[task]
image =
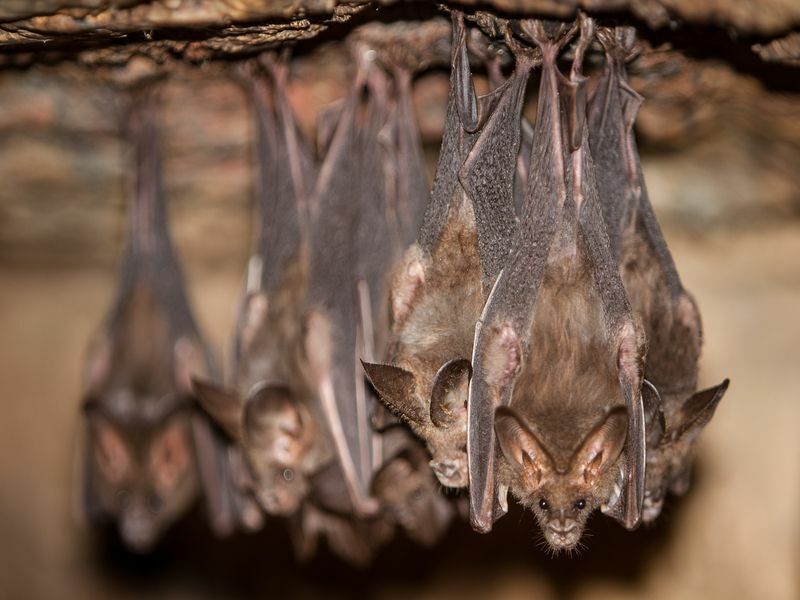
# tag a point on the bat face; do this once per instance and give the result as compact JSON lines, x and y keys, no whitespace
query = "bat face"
{"x":669,"y":458}
{"x":561,"y":496}
{"x":276,"y":435}
{"x":144,"y":477}
{"x":410,"y":495}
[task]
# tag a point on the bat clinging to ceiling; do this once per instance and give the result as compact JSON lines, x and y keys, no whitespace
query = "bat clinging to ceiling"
{"x":463,"y":241}
{"x":270,"y":411}
{"x":668,"y":312}
{"x":146,"y":448}
{"x":558,"y":354}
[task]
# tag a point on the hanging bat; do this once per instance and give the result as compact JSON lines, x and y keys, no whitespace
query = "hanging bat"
{"x":146,"y":450}
{"x":408,"y":491}
{"x":351,"y":254}
{"x":461,"y":246}
{"x":270,"y":413}
{"x":558,"y":353}
{"x":668,"y":312}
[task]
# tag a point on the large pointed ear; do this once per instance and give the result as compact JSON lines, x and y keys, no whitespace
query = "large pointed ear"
{"x":698,"y":410}
{"x":654,"y":423}
{"x":397,"y":390}
{"x":450,"y":391}
{"x":601,"y":448}
{"x":522,"y":449}
{"x":190,"y":361}
{"x":111,"y":453}
{"x":170,"y":455}
{"x":224,"y":406}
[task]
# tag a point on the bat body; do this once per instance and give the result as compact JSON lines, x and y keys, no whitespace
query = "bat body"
{"x":462,"y":243}
{"x":668,"y":312}
{"x":270,"y":411}
{"x":558,"y":353}
{"x":146,"y":450}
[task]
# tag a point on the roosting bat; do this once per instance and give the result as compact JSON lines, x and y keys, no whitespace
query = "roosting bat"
{"x":461,"y":246}
{"x":270,"y":412}
{"x":558,"y":354}
{"x":668,"y":312}
{"x":408,"y":491}
{"x":146,"y":449}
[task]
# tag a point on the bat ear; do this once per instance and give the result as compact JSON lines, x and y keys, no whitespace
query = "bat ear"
{"x":111,"y":453}
{"x":519,"y":444}
{"x":169,"y":457}
{"x":224,"y":406}
{"x":602,"y":447}
{"x":654,"y":423}
{"x":450,"y":391}
{"x":407,"y":285}
{"x":190,"y":362}
{"x":397,"y":390}
{"x":698,"y":410}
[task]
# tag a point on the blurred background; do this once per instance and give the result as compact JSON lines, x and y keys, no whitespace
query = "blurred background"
{"x":720,"y":138}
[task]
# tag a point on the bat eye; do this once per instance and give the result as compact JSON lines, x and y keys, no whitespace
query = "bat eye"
{"x":288,"y":474}
{"x":123,"y":499}
{"x":580,"y":504}
{"x":417,"y":494}
{"x":544,"y":504}
{"x":154,"y":503}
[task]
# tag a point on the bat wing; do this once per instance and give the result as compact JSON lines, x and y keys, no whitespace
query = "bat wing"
{"x":335,"y":335}
{"x":508,"y":313}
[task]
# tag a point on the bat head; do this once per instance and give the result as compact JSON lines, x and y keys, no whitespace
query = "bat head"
{"x":144,"y":477}
{"x":141,"y":465}
{"x":438,"y":418}
{"x":669,"y":454}
{"x":562,"y":496}
{"x":411,"y":496}
{"x":276,"y":434}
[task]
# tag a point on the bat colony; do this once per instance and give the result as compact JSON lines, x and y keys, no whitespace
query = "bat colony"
{"x":523,"y":323}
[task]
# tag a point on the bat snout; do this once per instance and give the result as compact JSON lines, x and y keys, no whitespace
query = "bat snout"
{"x":138,"y":532}
{"x":563,"y":534}
{"x":450,"y":472}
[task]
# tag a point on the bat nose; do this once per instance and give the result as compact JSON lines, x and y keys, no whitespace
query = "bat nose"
{"x":450,"y":473}
{"x":137,"y":531}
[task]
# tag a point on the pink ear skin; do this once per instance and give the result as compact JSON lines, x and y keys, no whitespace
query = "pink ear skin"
{"x":170,"y":457}
{"x":601,"y":448}
{"x":523,"y":451}
{"x":111,"y":453}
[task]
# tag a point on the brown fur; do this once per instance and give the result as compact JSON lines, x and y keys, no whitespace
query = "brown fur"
{"x":567,"y":386}
{"x":439,"y":327}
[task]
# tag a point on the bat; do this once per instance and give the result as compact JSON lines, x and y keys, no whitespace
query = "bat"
{"x":146,"y":450}
{"x":270,"y":413}
{"x":558,"y":352}
{"x":351,"y":254}
{"x":462,"y":243}
{"x":677,"y":412}
{"x":409,"y":492}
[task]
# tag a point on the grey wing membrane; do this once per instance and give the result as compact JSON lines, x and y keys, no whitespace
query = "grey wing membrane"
{"x":334,"y":337}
